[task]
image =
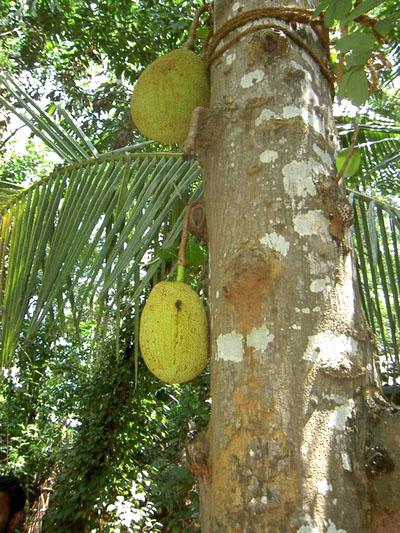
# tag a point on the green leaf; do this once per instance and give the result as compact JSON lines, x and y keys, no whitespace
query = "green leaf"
{"x":385,"y":26}
{"x":354,"y":86}
{"x":362,"y":9}
{"x":195,"y":254}
{"x":352,"y":165}
{"x":202,"y":33}
{"x":357,"y":40}
{"x":358,"y":58}
{"x":329,"y":16}
{"x":342,"y":8}
{"x":167,"y":254}
{"x":321,"y":7}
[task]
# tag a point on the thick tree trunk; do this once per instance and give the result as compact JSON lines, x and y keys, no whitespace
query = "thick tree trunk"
{"x":292,"y":365}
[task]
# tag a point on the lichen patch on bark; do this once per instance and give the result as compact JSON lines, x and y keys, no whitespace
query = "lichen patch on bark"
{"x":312,"y":223}
{"x":251,"y":78}
{"x":321,"y":285}
{"x":230,"y":347}
{"x":325,"y":157}
{"x":297,"y":179}
{"x":334,"y":354}
{"x":259,"y":338}
{"x":268,"y":156}
{"x":276,"y":242}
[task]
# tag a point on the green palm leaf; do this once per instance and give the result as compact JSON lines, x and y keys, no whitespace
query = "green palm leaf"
{"x":376,"y":237}
{"x":379,"y":144}
{"x":93,"y":222}
{"x":70,"y":147}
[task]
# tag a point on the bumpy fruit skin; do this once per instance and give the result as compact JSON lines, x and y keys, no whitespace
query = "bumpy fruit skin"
{"x":173,"y":332}
{"x":166,"y":94}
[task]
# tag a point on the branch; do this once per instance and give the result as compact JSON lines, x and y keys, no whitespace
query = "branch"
{"x":192,"y":32}
{"x":11,"y":135}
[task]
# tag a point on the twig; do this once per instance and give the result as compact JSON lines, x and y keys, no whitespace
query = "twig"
{"x":192,"y":32}
{"x":184,"y":238}
{"x":3,"y":143}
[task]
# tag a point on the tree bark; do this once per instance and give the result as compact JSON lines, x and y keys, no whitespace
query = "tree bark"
{"x":293,"y":378}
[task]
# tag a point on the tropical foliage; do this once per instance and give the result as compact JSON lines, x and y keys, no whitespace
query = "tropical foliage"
{"x":106,"y":219}
{"x":374,"y":191}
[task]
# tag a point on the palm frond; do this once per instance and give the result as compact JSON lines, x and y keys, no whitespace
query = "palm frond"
{"x":376,"y":238}
{"x":379,"y":144}
{"x":7,"y":191}
{"x":91,"y":223}
{"x":69,"y":147}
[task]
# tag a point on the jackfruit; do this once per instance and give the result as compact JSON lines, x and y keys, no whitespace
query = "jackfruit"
{"x":166,"y":94}
{"x":173,"y":332}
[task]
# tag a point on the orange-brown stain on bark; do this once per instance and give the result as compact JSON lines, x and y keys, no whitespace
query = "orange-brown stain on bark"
{"x":250,"y":277}
{"x":249,"y":413}
{"x":385,"y":522}
{"x":255,"y":415}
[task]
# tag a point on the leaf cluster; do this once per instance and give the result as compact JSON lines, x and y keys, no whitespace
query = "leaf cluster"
{"x":361,"y":42}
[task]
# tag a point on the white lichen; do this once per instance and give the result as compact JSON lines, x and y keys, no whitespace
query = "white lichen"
{"x":311,"y":528}
{"x":259,"y":338}
{"x":312,"y":223}
{"x":317,"y":265}
{"x":324,"y":156}
{"x":252,"y":78}
{"x":297,"y":179}
{"x":264,"y":116}
{"x":291,"y":111}
{"x":346,"y":292}
{"x":276,"y":242}
{"x":230,"y":58}
{"x":268,"y":156}
{"x":230,"y":347}
{"x":309,"y":60}
{"x":337,"y":398}
{"x":329,"y":348}
{"x":333,"y":529}
{"x":235,"y":8}
{"x":320,"y":285}
{"x":307,"y":115}
{"x":346,"y":461}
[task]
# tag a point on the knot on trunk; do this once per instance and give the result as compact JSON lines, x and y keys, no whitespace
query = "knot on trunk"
{"x":378,"y":462}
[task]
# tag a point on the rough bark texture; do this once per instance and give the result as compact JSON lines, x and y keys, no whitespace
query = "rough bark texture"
{"x":292,"y":366}
{"x":383,"y":467}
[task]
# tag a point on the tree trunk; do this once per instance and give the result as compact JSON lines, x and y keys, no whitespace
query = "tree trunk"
{"x":293,"y":378}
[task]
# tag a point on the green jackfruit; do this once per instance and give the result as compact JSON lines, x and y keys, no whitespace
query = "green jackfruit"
{"x":166,"y":94}
{"x":173,"y":332}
